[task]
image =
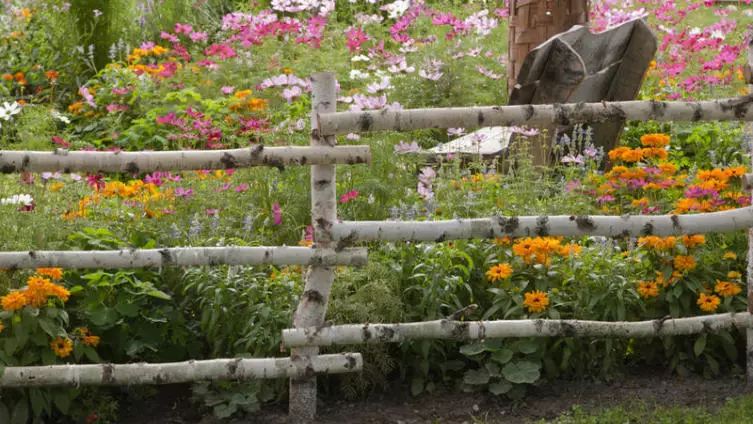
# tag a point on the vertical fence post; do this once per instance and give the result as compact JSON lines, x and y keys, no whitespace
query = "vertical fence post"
{"x":313,"y":303}
{"x":748,"y":72}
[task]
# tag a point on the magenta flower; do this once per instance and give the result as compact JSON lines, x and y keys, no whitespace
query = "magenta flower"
{"x":95,"y":181}
{"x":277,"y":212}
{"x":347,"y":197}
{"x":60,"y":142}
{"x":240,"y":188}
{"x":180,"y":191}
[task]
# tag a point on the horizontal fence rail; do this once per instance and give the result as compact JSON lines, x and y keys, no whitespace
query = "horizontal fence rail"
{"x":137,"y":162}
{"x":177,"y":372}
{"x":561,"y":225}
{"x":478,"y":330}
{"x":182,"y":256}
{"x":736,"y":109}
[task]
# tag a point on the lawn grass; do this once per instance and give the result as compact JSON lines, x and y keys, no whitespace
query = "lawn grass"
{"x":733,"y":410}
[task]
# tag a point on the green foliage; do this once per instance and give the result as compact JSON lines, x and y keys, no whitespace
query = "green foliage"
{"x":227,"y":399}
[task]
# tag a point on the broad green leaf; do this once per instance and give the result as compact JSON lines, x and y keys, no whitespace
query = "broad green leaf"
{"x":417,"y":386}
{"x":527,"y":346}
{"x":476,"y":377}
{"x":500,"y":387}
{"x":37,"y":401}
{"x":4,"y":413}
{"x":521,"y":372}
{"x":52,"y":329}
{"x":700,"y":345}
{"x":20,"y":412}
{"x":62,"y":400}
{"x":91,"y":354}
{"x":502,"y":356}
{"x":472,"y":349}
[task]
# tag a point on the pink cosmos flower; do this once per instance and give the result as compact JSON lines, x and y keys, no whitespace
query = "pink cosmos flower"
{"x":60,"y":142}
{"x":349,"y":196}
{"x":277,"y":213}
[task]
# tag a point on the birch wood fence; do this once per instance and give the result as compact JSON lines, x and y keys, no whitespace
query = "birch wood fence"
{"x":304,"y":363}
{"x":326,"y":123}
{"x":332,"y":239}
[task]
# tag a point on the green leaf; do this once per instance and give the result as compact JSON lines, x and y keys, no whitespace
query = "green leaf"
{"x":62,"y":401}
{"x":502,"y":356}
{"x":127,"y":309}
{"x":37,"y":401}
{"x":48,"y":357}
{"x":103,"y":316}
{"x":521,"y":372}
{"x":52,"y":329}
{"x":4,"y":413}
{"x":20,"y":412}
{"x":476,"y":377}
{"x":225,"y":410}
{"x":500,"y":387}
{"x":472,"y":349}
{"x":527,"y":346}
{"x":159,"y":294}
{"x":417,"y":386}
{"x":91,"y":354}
{"x":700,"y":345}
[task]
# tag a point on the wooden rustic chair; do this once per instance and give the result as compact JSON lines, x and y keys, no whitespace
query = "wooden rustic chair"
{"x":572,"y":67}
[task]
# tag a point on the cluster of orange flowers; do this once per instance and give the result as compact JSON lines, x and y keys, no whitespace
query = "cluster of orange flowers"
{"x":706,"y":194}
{"x":38,"y":291}
{"x":83,"y":334}
{"x":499,"y":272}
{"x":690,"y":241}
{"x":137,"y":53}
{"x":18,"y":77}
{"x":653,"y":148}
{"x":541,"y":249}
{"x":134,"y":191}
{"x":245,"y":102}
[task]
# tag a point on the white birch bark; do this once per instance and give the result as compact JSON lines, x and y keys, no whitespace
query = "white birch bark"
{"x":181,"y":256}
{"x":138,"y":162}
{"x":737,"y":109}
{"x":524,"y":226}
{"x":479,"y":330}
{"x":749,"y":183}
{"x":175,"y":372}
{"x":313,"y":304}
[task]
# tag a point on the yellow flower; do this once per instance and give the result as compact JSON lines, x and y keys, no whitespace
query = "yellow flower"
{"x":499,"y":272}
{"x":54,"y":273}
{"x":2,"y":327}
{"x":725,"y":288}
{"x":684,"y":263}
{"x":693,"y":241}
{"x":91,"y":340}
{"x":708,"y":303}
{"x":536,"y":301}
{"x":730,"y":255}
{"x":62,"y":346}
{"x":734,"y":274}
{"x":13,"y":301}
{"x":57,"y":186}
{"x":648,"y":289}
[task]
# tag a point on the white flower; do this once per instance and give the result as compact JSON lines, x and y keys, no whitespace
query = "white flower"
{"x":57,"y":115}
{"x":356,"y":74}
{"x":360,"y":58}
{"x":17,"y":199}
{"x":9,"y":109}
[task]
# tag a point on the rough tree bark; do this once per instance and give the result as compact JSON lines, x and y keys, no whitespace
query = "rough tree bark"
{"x":479,"y":330}
{"x":736,"y":109}
{"x":534,"y":226}
{"x":313,"y":304}
{"x":175,"y":372}
{"x":137,"y":162}
{"x":182,"y":256}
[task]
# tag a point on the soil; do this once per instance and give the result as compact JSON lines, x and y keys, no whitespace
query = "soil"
{"x":172,"y":406}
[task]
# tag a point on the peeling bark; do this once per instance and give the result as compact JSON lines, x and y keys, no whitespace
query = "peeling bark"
{"x":139,"y":162}
{"x":313,"y":304}
{"x":479,"y":330}
{"x":736,"y":109}
{"x":182,"y":256}
{"x":532,"y":226}
{"x":174,"y":372}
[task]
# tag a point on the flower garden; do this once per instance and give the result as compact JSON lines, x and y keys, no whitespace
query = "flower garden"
{"x":133,"y":75}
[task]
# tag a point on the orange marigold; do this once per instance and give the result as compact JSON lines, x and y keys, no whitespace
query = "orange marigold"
{"x":536,"y":301}
{"x":54,"y":273}
{"x":684,"y":263}
{"x":648,"y":289}
{"x":734,"y":274}
{"x":725,"y":288}
{"x":499,"y":272}
{"x":655,"y":140}
{"x":692,"y":241}
{"x":13,"y":301}
{"x":62,"y":346}
{"x":632,"y":155}
{"x":708,"y":303}
{"x":730,"y":255}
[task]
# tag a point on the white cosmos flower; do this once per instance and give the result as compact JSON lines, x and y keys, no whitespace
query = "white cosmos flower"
{"x":7,"y":110}
{"x":18,"y":199}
